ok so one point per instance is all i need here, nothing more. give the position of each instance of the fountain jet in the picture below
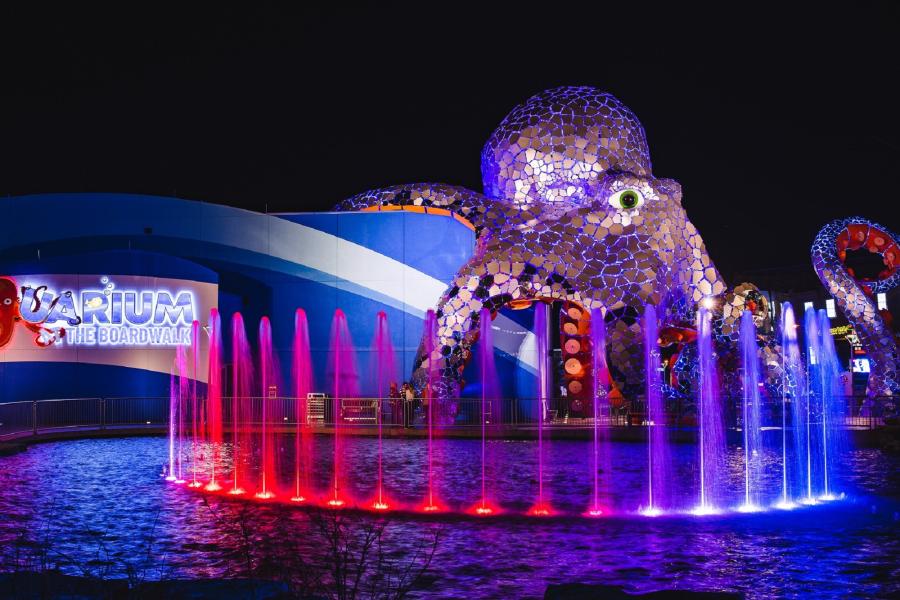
(268, 410)
(241, 386)
(541, 332)
(489, 394)
(432, 356)
(303, 385)
(750, 412)
(214, 398)
(657, 445)
(385, 371)
(829, 394)
(711, 428)
(600, 373)
(196, 425)
(173, 415)
(345, 386)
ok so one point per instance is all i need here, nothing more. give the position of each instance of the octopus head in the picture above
(636, 233)
(638, 202)
(554, 151)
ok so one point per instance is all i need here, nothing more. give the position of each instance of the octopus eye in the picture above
(7, 301)
(626, 199)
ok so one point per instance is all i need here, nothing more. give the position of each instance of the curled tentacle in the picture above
(855, 297)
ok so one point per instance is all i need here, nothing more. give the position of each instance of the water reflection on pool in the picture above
(101, 500)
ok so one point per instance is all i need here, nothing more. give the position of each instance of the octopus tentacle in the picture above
(458, 312)
(474, 209)
(854, 300)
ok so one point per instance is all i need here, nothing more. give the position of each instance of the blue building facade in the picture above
(134, 271)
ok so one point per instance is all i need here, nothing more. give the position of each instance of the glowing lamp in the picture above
(702, 511)
(540, 510)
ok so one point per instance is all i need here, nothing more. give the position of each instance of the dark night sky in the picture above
(774, 122)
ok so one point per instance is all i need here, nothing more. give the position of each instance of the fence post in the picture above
(34, 418)
(102, 413)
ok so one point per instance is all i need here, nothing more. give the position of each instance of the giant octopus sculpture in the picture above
(570, 212)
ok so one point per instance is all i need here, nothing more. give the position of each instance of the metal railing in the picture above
(858, 412)
(47, 416)
(61, 414)
(396, 412)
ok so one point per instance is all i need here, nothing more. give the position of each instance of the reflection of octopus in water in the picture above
(10, 314)
(571, 212)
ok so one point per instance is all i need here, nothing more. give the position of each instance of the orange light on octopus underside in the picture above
(876, 241)
(573, 367)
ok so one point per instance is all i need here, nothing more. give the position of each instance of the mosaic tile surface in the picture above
(570, 211)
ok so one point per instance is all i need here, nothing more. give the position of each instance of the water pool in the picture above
(101, 502)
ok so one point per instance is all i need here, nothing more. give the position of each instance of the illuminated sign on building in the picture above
(131, 321)
(861, 365)
(106, 316)
(841, 330)
(846, 333)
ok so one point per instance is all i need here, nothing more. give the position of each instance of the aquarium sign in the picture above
(105, 315)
